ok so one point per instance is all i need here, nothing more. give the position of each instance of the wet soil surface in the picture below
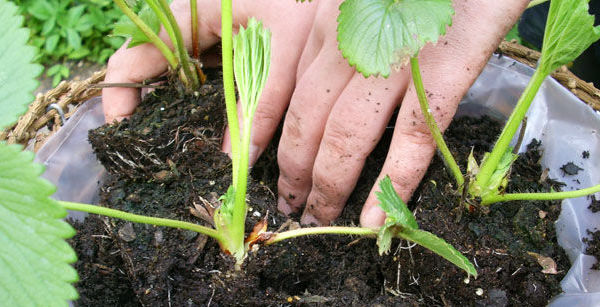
(166, 162)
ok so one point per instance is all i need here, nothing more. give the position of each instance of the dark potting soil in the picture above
(593, 247)
(165, 161)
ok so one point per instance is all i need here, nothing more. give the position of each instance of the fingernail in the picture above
(283, 206)
(309, 219)
(372, 217)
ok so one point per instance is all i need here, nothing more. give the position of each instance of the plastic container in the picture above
(566, 126)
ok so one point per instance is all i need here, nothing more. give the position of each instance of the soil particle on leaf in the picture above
(593, 247)
(570, 169)
(181, 268)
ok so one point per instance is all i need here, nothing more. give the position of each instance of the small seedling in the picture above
(407, 25)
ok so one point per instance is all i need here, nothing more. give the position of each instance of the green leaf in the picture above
(34, 256)
(73, 39)
(79, 53)
(499, 177)
(126, 28)
(569, 31)
(224, 214)
(251, 62)
(396, 210)
(384, 237)
(17, 74)
(51, 43)
(40, 9)
(401, 223)
(440, 247)
(48, 25)
(374, 34)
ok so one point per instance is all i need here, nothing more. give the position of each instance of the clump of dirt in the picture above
(166, 162)
(593, 247)
(594, 204)
(570, 169)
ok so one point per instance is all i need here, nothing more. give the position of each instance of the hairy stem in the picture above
(180, 46)
(512, 125)
(141, 218)
(339, 230)
(156, 41)
(433, 127)
(540, 196)
(228, 85)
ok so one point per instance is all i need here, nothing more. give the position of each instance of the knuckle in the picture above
(341, 141)
(417, 134)
(292, 127)
(290, 166)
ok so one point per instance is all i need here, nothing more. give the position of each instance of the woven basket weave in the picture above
(31, 127)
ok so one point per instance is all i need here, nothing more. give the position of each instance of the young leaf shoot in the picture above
(252, 46)
(401, 223)
(569, 31)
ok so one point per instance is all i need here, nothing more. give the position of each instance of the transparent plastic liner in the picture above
(566, 126)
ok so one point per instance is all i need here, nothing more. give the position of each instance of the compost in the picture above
(166, 161)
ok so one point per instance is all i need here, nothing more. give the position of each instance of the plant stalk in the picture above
(156, 41)
(535, 2)
(430, 120)
(195, 45)
(141, 218)
(340, 230)
(180, 46)
(241, 186)
(540, 196)
(512, 125)
(162, 17)
(228, 84)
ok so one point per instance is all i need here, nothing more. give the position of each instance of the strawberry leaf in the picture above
(34, 257)
(374, 34)
(17, 73)
(569, 31)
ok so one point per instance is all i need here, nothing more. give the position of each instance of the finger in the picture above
(354, 127)
(316, 92)
(290, 28)
(448, 70)
(129, 66)
(134, 65)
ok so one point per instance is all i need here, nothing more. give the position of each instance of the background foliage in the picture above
(70, 30)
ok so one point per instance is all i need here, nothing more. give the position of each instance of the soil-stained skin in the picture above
(171, 163)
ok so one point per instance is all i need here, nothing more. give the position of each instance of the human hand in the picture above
(335, 116)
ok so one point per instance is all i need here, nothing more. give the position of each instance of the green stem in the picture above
(512, 125)
(241, 185)
(540, 196)
(195, 45)
(160, 14)
(179, 45)
(430, 120)
(141, 218)
(535, 2)
(341, 230)
(160, 45)
(228, 85)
